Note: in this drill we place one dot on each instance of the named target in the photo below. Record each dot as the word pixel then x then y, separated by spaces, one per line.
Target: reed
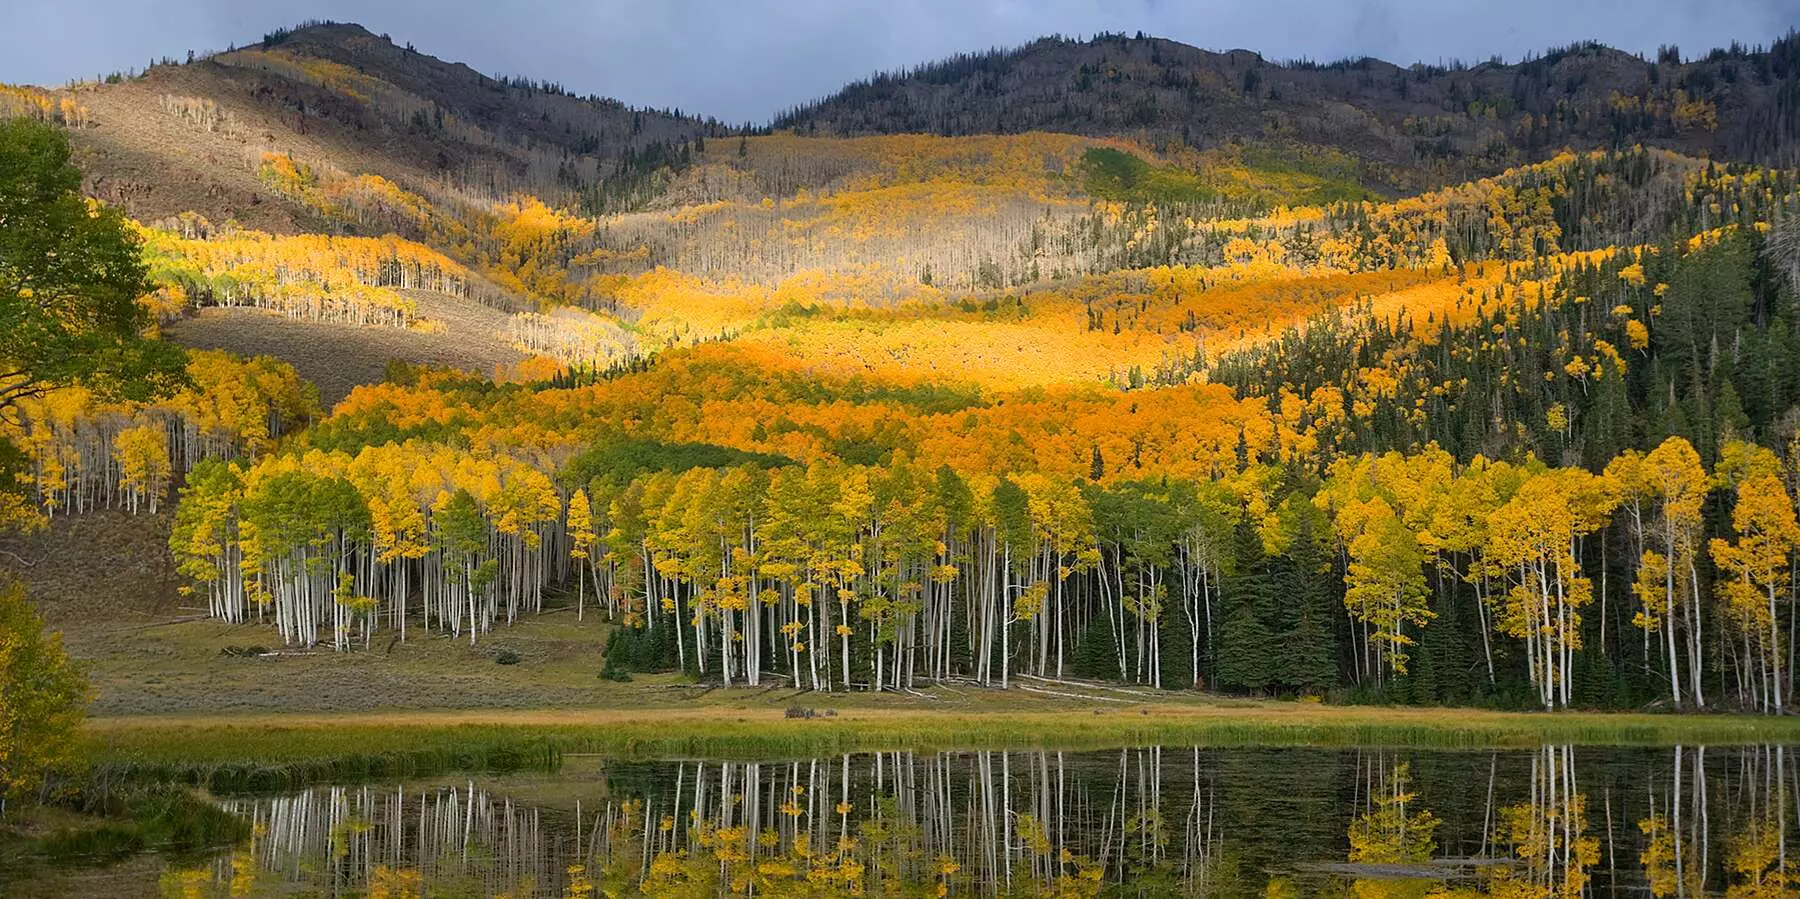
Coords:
pixel 94 829
pixel 276 753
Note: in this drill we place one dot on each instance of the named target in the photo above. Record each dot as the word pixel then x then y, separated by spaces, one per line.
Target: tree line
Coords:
pixel 1391 575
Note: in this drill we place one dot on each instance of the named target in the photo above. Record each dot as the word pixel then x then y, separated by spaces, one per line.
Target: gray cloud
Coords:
pixel 743 60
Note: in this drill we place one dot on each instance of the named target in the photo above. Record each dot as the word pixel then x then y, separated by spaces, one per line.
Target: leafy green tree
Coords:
pixel 42 701
pixel 71 274
pixel 70 278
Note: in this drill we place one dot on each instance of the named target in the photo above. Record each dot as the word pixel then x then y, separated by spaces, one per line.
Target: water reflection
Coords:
pixel 1558 821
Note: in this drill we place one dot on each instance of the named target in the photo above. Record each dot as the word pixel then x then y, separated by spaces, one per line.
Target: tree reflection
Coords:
pixel 1393 835
pixel 1548 835
pixel 1370 824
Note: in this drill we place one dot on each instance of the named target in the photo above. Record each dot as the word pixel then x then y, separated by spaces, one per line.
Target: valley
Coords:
pixel 365 418
pixel 846 406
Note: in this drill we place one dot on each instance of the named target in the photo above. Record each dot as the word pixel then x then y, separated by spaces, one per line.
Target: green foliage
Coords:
pixel 642 650
pixel 1111 174
pixel 1312 176
pixel 1721 346
pixel 70 279
pixel 1247 649
pixel 1096 653
pixel 168 819
pixel 641 175
pixel 1308 651
pixel 42 698
pixel 464 532
pixel 300 760
pixel 617 458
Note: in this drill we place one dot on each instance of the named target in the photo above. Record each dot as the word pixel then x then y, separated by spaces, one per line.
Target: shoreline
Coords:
pixel 717 731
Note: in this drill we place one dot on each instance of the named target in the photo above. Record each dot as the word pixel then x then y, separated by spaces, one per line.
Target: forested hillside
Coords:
pixel 1407 125
pixel 1114 360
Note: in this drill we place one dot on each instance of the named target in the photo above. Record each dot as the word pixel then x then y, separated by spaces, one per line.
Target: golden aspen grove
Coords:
pixel 875 411
pixel 1452 387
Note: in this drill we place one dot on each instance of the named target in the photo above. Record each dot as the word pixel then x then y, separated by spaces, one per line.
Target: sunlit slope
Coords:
pixel 1148 292
pixel 1225 284
pixel 336 179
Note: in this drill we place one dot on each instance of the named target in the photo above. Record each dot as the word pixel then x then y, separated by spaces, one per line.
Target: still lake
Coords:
pixel 1167 821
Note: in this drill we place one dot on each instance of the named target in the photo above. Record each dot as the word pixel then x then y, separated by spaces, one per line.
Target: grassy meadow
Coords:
pixel 273 751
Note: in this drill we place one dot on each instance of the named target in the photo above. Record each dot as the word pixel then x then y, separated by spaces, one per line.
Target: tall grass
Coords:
pixel 233 757
pixel 360 755
pixel 117 826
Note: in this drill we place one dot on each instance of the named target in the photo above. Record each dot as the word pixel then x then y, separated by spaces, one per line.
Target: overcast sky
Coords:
pixel 743 60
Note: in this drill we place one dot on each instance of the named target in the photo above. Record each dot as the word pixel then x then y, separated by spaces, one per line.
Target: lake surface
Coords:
pixel 1557 821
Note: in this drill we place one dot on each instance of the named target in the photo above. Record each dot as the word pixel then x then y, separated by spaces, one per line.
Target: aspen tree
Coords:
pixel 1534 542
pixel 1668 584
pixel 580 525
pixel 1759 565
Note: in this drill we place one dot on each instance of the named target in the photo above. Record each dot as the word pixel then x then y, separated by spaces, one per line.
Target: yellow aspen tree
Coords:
pixel 1758 565
pixel 580 526
pixel 144 469
pixel 1533 541
pixel 1371 499
pixel 1385 584
pixel 1664 491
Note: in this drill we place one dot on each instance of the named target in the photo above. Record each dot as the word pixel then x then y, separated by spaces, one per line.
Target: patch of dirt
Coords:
pixel 188 666
pixel 101 566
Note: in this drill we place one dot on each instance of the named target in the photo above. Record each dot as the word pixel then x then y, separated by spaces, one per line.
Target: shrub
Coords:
pixel 42 698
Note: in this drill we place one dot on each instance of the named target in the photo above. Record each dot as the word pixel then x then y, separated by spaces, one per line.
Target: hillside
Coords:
pixel 1410 127
pixel 1113 359
pixel 376 200
pixel 190 138
pixel 1118 211
pixel 1044 169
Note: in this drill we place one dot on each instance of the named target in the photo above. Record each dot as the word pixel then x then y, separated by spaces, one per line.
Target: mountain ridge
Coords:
pixel 329 168
pixel 343 91
pixel 1585 95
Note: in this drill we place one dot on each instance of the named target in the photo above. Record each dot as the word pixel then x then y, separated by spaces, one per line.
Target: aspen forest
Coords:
pixel 875 412
pixel 1517 475
pixel 1094 466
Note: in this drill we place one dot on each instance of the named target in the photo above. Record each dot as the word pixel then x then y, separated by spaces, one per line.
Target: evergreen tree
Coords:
pixel 1309 649
pixel 1247 657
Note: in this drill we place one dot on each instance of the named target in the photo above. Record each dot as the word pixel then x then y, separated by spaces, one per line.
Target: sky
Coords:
pixel 745 60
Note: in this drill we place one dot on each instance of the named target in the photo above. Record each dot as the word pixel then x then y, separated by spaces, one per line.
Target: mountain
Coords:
pixel 270 174
pixel 390 205
pixel 1077 345
pixel 1453 122
pixel 176 139
pixel 188 138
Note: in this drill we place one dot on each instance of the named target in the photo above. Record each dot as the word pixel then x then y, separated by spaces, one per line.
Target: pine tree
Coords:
pixel 1247 656
pixel 1309 647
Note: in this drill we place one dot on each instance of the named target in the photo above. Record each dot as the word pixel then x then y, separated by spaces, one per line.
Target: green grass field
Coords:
pixel 272 751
